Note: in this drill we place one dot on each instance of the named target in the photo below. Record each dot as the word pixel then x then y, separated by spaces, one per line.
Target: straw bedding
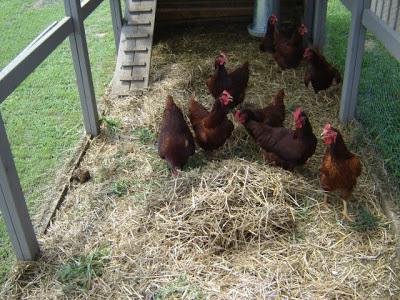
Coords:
pixel 227 228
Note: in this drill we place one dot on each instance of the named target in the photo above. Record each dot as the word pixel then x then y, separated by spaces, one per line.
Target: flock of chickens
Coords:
pixel 281 146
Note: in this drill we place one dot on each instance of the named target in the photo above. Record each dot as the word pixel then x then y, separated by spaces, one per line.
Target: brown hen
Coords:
pixel 212 128
pixel 321 73
pixel 340 168
pixel 175 142
pixel 282 147
pixel 289 52
pixel 273 114
pixel 235 82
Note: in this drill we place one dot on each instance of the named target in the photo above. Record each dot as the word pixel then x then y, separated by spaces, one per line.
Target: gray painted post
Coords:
pixel 355 51
pixel 276 10
pixel 309 9
pixel 116 15
pixel 13 205
pixel 321 7
pixel 83 72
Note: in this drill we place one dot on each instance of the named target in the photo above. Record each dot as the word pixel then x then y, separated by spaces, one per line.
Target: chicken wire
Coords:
pixel 378 105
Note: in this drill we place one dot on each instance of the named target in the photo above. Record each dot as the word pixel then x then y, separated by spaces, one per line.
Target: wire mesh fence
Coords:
pixel 378 104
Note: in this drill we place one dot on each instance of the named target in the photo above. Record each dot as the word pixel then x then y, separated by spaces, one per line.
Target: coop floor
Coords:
pixel 227 228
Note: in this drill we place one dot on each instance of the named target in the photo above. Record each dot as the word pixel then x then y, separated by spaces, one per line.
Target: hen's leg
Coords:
pixel 326 205
pixel 345 195
pixel 344 213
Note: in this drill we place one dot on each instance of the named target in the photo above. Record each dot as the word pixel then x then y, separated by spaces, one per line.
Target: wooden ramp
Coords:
pixel 133 62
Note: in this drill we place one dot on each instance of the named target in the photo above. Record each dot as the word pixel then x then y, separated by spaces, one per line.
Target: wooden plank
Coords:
pixel 137 36
pixel 388 37
pixel 309 10
pixel 349 4
pixel 116 15
pixel 32 56
pixel 83 72
pixel 355 51
pixel 13 204
pixel 88 6
pixel 321 8
pixel 202 12
pixel 122 87
pixel 138 19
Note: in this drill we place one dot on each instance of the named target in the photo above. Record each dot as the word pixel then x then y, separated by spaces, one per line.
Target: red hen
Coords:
pixel 175 142
pixel 340 168
pixel 321 73
pixel 282 147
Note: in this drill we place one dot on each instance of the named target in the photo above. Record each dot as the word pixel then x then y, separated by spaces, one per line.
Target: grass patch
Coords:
pixel 365 220
pixel 145 136
pixel 113 126
pixel 178 289
pixel 120 188
pixel 80 271
pixel 43 116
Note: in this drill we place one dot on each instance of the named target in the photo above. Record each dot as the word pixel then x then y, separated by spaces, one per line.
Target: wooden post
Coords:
pixel 355 51
pixel 321 7
pixel 309 9
pixel 116 15
pixel 276 10
pixel 13 205
pixel 83 72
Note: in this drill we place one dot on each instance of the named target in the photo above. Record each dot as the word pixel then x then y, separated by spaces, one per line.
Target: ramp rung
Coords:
pixel 131 78
pixel 138 50
pixel 137 36
pixel 141 10
pixel 140 65
pixel 134 23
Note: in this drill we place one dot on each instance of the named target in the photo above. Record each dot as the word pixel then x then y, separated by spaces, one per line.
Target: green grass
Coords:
pixel 365 220
pixel 378 107
pixel 180 288
pixel 43 116
pixel 78 274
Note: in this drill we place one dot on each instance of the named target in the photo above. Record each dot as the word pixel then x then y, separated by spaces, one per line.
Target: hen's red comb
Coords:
pixel 297 113
pixel 327 127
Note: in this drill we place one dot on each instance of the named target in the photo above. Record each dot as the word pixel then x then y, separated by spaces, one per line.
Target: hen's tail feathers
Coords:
pixel 196 110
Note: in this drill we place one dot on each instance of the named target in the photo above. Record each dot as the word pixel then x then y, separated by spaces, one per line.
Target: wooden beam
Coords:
pixel 88 6
pixel 349 4
pixel 83 72
pixel 13 205
pixel 309 10
pixel 116 15
pixel 319 34
pixel 32 56
pixel 388 37
pixel 355 51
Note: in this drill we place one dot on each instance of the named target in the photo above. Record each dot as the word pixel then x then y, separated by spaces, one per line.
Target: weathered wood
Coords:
pixel 355 51
pixel 348 4
pixel 203 12
pixel 319 35
pixel 13 205
pixel 116 15
pixel 388 37
pixel 83 72
pixel 32 56
pixel 309 10
pixel 88 6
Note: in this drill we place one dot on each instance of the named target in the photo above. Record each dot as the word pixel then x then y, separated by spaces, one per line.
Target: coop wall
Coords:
pixel 196 10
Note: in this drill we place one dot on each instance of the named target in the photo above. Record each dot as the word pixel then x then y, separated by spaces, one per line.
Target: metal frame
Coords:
pixel 12 202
